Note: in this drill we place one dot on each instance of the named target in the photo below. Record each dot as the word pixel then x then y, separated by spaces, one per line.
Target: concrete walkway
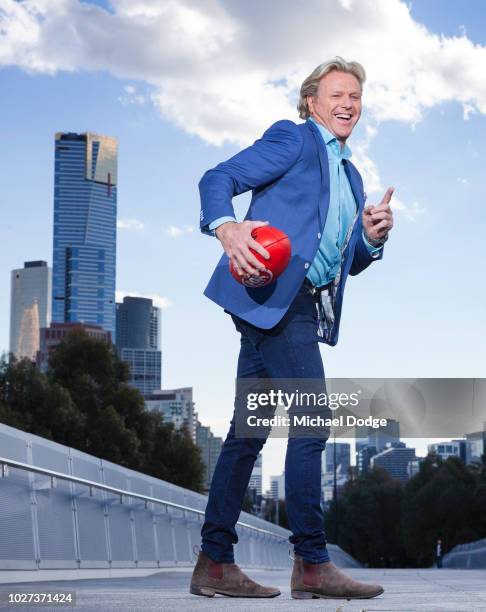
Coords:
pixel 405 591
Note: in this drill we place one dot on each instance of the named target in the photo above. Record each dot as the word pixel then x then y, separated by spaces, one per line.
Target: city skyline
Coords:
pixel 419 312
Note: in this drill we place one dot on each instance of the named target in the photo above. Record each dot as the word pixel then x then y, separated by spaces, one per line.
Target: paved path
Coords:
pixel 405 591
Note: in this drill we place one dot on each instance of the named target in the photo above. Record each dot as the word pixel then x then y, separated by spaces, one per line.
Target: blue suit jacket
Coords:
pixel 288 171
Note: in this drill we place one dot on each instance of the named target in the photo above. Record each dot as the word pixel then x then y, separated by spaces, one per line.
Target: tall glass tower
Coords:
pixel 30 307
pixel 84 260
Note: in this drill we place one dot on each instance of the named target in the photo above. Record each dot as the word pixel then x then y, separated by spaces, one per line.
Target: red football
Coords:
pixel 277 244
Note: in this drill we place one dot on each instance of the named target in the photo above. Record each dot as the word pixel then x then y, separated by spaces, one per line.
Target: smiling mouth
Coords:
pixel 343 117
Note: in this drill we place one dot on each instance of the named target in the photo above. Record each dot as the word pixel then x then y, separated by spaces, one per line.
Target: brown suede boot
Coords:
pixel 210 578
pixel 315 580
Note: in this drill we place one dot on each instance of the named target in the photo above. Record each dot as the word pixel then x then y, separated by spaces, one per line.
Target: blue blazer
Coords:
pixel 288 171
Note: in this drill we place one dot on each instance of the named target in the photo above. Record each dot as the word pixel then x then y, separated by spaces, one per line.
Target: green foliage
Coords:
pixel 270 513
pixel 84 401
pixel 28 401
pixel 247 503
pixel 383 523
pixel 444 501
pixel 366 519
pixel 173 456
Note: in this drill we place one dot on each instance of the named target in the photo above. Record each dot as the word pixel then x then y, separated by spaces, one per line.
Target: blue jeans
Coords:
pixel 288 350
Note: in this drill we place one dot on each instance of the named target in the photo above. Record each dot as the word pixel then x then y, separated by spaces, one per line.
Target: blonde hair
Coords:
pixel 311 83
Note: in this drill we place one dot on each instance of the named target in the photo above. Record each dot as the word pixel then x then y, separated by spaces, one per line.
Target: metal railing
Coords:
pixel 53 475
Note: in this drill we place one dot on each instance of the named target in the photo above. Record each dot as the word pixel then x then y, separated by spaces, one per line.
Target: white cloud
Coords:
pixel 411 211
pixel 224 72
pixel 462 180
pixel 467 109
pixel 129 224
pixel 158 300
pixel 131 96
pixel 175 231
pixel 367 167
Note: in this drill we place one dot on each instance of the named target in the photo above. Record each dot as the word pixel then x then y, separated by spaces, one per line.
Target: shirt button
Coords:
pixel 319 235
pixel 306 266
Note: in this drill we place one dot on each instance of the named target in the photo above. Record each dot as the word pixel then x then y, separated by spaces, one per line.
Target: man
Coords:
pixel 438 554
pixel 304 184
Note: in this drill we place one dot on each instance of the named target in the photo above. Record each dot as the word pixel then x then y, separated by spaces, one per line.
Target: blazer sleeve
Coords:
pixel 261 163
pixel 362 256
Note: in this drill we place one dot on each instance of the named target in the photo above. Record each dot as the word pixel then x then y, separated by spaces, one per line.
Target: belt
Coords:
pixel 316 291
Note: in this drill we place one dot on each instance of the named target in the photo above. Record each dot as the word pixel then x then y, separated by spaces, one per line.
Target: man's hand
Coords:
pixel 237 241
pixel 378 220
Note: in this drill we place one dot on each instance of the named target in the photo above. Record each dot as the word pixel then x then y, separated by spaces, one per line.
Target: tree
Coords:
pixel 174 456
pixel 445 501
pixel 369 511
pixel 84 401
pixel 29 402
pixel 270 513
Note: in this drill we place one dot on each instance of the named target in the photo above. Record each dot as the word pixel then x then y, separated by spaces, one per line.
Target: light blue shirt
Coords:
pixel 340 216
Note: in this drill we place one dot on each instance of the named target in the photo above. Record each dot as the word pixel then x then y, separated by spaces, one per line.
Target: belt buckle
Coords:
pixel 312 288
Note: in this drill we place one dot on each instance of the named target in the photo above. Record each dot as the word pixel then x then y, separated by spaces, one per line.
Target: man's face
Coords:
pixel 337 104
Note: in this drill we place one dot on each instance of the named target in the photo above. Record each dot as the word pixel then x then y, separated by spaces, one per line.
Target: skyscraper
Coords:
pixel 255 481
pixel 476 445
pixel 210 446
pixel 176 406
pixel 451 448
pixel 381 437
pixel 52 336
pixel 138 342
pixel 395 460
pixel 277 487
pixel 343 457
pixel 84 260
pixel 30 307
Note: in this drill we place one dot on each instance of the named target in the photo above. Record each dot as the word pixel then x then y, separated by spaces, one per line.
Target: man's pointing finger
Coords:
pixel 388 195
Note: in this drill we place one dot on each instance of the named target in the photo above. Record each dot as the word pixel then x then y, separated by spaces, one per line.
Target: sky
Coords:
pixel 185 84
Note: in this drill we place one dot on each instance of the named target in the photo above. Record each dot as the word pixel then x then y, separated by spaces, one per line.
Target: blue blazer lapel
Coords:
pixel 324 163
pixel 357 189
pixel 355 182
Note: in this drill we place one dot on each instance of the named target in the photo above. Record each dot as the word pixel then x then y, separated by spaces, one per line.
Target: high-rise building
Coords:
pixel 454 448
pixel 476 446
pixel 327 486
pixel 85 204
pixel 176 406
pixel 413 467
pixel 138 342
pixel 53 335
pixel 370 441
pixel 342 450
pixel 363 458
pixel 360 435
pixel 256 476
pixel 395 460
pixel 277 487
pixel 30 307
pixel 383 436
pixel 210 446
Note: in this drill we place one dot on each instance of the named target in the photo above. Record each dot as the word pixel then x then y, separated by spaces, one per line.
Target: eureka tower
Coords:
pixel 84 259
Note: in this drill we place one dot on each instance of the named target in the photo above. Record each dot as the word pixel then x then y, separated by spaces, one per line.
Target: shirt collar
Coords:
pixel 332 143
